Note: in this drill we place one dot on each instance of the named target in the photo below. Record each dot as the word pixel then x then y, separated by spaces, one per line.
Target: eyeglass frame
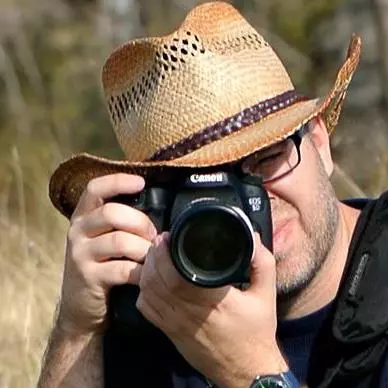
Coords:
pixel 296 137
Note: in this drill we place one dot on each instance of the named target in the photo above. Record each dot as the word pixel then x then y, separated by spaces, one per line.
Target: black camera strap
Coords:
pixel 353 343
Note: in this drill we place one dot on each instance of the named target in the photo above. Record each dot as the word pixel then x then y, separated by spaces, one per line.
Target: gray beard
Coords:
pixel 321 233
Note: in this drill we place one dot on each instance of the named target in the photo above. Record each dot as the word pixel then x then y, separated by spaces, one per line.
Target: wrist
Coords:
pixel 65 325
pixel 244 377
pixel 69 334
pixel 72 359
pixel 282 380
pixel 276 366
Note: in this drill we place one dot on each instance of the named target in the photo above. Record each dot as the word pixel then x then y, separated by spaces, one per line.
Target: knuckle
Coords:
pixel 108 212
pixel 140 303
pixel 71 234
pixel 91 188
pixel 76 252
pixel 74 232
pixel 74 217
pixel 119 242
pixel 122 272
pixel 75 221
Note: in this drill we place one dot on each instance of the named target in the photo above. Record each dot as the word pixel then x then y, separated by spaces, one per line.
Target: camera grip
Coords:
pixel 265 235
pixel 258 209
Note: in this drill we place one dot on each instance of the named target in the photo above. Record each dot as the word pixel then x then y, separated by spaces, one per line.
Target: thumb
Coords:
pixel 263 269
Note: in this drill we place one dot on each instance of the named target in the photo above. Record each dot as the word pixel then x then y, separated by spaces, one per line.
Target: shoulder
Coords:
pixel 361 202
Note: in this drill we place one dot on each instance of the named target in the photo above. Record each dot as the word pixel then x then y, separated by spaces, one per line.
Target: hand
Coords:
pixel 98 232
pixel 227 334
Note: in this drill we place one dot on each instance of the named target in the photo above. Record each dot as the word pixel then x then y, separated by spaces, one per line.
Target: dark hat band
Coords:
pixel 228 126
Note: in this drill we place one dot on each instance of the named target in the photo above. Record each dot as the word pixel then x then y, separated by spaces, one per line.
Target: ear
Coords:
pixel 320 139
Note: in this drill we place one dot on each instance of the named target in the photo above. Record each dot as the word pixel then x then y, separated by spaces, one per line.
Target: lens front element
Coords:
pixel 210 243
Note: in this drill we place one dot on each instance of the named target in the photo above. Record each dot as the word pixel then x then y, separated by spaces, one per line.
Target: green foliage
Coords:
pixel 296 21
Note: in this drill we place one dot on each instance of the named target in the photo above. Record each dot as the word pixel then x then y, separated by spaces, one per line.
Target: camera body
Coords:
pixel 212 216
pixel 205 212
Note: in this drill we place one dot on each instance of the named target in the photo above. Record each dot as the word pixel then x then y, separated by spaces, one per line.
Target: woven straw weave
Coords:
pixel 211 92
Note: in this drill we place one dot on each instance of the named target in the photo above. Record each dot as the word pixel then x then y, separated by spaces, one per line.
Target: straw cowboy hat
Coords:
pixel 210 93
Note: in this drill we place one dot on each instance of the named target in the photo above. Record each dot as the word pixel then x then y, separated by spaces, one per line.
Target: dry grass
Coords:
pixel 31 258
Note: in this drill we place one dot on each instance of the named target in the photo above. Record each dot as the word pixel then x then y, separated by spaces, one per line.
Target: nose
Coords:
pixel 270 193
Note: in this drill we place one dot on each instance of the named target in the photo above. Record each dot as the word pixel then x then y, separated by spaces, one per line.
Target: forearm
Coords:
pixel 72 361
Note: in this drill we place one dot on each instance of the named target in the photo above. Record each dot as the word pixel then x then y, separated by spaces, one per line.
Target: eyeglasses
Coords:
pixel 277 160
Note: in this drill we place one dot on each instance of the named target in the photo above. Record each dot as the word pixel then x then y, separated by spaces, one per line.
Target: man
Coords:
pixel 213 93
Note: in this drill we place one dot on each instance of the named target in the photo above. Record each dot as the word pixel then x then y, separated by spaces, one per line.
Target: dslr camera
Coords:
pixel 212 216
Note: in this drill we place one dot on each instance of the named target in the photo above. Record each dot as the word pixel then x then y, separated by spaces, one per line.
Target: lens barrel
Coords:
pixel 212 244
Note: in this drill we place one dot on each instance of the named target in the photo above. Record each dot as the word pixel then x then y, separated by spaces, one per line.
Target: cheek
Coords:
pixel 308 201
pixel 296 198
pixel 292 195
pixel 301 189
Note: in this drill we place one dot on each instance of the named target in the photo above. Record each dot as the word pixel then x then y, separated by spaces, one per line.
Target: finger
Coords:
pixel 118 244
pixel 175 284
pixel 116 216
pixel 151 278
pixel 155 300
pixel 118 272
pixel 263 269
pixel 160 260
pixel 105 187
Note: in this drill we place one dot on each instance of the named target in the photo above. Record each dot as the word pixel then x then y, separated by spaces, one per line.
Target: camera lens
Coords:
pixel 210 243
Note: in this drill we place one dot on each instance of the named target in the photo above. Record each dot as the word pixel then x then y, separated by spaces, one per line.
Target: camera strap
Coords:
pixel 351 347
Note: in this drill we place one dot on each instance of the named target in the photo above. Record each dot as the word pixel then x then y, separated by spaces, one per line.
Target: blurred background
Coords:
pixel 51 54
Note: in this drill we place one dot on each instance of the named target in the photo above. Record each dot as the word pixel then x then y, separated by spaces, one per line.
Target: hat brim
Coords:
pixel 71 177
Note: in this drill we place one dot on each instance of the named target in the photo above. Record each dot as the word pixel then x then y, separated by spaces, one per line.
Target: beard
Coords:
pixel 320 231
